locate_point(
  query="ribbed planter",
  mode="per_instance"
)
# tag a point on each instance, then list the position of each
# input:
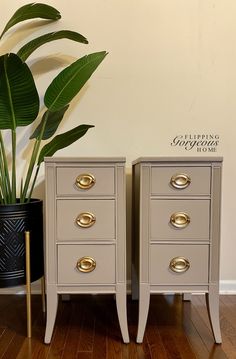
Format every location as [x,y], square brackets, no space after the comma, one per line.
[15,219]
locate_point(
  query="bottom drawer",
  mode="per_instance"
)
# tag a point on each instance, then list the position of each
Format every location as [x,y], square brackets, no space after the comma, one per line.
[86,264]
[178,264]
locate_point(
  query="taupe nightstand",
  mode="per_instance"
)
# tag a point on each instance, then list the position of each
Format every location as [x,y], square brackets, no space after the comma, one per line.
[85,232]
[176,236]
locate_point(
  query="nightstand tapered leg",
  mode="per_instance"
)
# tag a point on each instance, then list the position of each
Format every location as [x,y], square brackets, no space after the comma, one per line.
[52,302]
[144,300]
[122,310]
[212,301]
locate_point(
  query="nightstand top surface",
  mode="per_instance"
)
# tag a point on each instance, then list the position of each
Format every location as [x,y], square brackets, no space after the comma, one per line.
[177,159]
[84,159]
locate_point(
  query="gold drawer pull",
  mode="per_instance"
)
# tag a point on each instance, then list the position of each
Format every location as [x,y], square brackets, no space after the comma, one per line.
[85,181]
[180,181]
[85,219]
[86,264]
[179,264]
[180,220]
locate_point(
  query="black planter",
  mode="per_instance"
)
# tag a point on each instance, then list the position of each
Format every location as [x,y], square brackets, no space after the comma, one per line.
[15,219]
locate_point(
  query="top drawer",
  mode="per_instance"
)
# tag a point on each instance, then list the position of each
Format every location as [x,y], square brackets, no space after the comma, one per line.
[85,181]
[180,180]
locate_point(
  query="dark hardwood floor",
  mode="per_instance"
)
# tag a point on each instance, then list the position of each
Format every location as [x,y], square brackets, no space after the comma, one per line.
[87,328]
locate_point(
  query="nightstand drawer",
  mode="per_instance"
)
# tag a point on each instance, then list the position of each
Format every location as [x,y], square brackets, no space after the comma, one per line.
[179,219]
[85,219]
[180,180]
[86,264]
[179,264]
[86,181]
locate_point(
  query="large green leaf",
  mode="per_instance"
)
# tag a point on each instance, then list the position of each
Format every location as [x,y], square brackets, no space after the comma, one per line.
[70,81]
[31,46]
[63,140]
[50,122]
[19,100]
[32,11]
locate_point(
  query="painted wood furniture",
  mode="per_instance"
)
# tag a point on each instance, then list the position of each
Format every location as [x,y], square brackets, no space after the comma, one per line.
[176,236]
[85,232]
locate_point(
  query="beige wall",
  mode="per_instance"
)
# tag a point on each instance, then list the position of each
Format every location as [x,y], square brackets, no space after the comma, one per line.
[171,70]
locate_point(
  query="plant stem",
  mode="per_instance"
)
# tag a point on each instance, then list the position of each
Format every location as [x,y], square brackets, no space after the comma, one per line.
[32,164]
[1,198]
[13,183]
[2,191]
[21,187]
[2,183]
[33,183]
[4,172]
[29,172]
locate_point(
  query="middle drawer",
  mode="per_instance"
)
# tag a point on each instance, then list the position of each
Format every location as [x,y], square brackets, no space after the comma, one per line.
[179,219]
[85,219]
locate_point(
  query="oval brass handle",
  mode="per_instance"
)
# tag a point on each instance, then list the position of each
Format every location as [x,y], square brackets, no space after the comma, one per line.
[179,219]
[179,264]
[85,219]
[86,264]
[85,181]
[180,181]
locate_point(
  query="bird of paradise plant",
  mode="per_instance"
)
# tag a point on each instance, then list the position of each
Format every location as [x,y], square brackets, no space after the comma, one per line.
[20,105]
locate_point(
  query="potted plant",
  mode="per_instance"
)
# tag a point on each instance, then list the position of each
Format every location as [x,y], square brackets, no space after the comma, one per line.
[20,106]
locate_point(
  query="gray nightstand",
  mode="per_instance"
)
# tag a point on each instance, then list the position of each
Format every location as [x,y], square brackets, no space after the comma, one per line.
[176,234]
[85,232]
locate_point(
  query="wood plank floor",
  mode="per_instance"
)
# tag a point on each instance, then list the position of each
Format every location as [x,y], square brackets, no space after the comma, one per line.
[87,328]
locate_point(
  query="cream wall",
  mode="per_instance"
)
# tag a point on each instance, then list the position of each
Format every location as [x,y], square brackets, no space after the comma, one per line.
[171,70]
